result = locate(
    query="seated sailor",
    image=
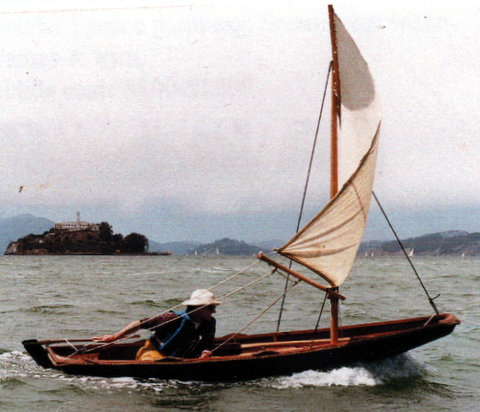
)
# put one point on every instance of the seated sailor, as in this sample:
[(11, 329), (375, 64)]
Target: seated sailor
[(187, 334)]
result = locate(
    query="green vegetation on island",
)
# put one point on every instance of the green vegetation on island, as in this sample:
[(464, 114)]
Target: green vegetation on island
[(91, 242)]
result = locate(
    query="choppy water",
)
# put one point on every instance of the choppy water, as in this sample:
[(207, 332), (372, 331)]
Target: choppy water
[(76, 296)]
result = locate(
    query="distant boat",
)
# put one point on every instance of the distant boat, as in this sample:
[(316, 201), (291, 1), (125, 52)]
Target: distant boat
[(411, 252), (327, 246)]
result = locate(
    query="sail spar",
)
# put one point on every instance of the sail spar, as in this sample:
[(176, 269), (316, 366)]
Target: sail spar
[(328, 244)]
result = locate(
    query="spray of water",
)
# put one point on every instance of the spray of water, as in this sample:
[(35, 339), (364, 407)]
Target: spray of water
[(16, 365)]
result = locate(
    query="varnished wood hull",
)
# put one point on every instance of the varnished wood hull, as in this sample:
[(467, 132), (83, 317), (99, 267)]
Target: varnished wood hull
[(253, 356)]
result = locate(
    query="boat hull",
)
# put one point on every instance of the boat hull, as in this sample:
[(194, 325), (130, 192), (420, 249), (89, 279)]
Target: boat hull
[(254, 356)]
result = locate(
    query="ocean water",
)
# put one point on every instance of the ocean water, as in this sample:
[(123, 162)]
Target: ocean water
[(83, 296)]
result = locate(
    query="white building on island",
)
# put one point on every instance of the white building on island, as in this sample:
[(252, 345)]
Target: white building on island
[(76, 226)]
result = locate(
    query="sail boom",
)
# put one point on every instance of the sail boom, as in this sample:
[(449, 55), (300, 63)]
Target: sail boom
[(295, 259), (299, 276)]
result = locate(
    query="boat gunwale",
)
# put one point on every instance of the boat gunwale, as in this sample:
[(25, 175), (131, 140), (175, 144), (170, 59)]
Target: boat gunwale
[(289, 349)]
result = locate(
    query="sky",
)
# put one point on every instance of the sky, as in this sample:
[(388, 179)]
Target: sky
[(194, 120)]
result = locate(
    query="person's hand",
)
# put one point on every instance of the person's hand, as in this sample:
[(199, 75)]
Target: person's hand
[(104, 338), (205, 354)]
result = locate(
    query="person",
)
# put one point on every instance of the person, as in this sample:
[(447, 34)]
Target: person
[(187, 334)]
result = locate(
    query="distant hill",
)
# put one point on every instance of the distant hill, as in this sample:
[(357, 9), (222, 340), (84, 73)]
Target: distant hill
[(269, 245), (189, 246), (176, 248), (453, 242), (12, 228), (225, 246)]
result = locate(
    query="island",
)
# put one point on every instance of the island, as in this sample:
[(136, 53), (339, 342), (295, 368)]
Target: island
[(92, 240)]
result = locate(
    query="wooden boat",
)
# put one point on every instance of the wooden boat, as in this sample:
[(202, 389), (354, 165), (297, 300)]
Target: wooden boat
[(249, 356), (327, 246)]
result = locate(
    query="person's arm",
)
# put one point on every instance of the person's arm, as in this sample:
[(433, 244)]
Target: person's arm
[(130, 328), (208, 339)]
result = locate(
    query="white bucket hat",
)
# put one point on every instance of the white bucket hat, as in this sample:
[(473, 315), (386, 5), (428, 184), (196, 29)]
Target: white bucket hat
[(201, 297)]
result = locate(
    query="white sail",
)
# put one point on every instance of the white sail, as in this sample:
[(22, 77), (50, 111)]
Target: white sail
[(328, 244)]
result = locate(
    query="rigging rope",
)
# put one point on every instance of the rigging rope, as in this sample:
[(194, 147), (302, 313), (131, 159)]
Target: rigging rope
[(247, 285), (321, 311), (234, 276), (86, 349), (241, 272), (256, 317), (306, 186), (431, 300)]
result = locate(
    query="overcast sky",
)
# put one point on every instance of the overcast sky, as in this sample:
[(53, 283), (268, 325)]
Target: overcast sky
[(194, 120)]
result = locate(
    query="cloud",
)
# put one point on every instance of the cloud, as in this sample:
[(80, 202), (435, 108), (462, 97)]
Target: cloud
[(212, 109), (134, 107)]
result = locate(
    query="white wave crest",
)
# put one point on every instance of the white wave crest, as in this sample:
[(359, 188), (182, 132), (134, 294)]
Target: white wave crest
[(13, 365), (13, 354), (372, 374), (339, 377)]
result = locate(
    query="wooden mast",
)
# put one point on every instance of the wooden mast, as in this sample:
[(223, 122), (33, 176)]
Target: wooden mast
[(335, 110), (332, 293)]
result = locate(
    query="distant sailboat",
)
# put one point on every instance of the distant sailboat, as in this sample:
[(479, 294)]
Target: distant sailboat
[(411, 252), (327, 246)]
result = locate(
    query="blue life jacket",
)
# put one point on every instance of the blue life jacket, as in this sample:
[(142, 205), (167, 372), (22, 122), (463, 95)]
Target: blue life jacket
[(180, 338)]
